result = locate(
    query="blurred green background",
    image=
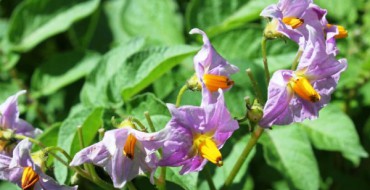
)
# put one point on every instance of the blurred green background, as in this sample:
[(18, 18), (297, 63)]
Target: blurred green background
[(84, 61)]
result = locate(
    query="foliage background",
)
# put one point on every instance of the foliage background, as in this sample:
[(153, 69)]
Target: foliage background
[(84, 61)]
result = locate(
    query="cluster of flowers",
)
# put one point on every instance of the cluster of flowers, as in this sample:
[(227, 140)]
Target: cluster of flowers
[(192, 137), (17, 164), (296, 95), (194, 134)]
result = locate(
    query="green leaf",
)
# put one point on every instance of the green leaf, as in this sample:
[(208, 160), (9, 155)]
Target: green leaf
[(345, 11), (164, 85), (8, 186), (334, 131), (155, 107), (188, 181), (34, 21), (95, 89), (144, 67), (223, 172), (62, 70), (204, 14), (49, 137), (8, 60), (8, 89), (90, 121), (158, 21), (3, 26), (287, 149), (217, 16)]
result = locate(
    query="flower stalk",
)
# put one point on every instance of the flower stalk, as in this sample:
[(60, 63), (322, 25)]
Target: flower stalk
[(179, 96), (150, 122), (296, 60), (208, 176), (251, 143), (256, 89), (264, 55)]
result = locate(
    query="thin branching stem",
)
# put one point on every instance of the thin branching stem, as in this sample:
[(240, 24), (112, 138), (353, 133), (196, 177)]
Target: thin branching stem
[(251, 143)]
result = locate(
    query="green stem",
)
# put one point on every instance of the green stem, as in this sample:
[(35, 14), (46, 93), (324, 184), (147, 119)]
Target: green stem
[(73, 38), (91, 29), (138, 122), (251, 143), (150, 122), (161, 182), (179, 96), (80, 137), (101, 133), (296, 60), (57, 148), (257, 90), (264, 55), (208, 176), (130, 186)]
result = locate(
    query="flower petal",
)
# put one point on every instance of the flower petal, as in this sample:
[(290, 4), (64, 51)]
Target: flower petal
[(276, 110), (9, 111), (96, 154)]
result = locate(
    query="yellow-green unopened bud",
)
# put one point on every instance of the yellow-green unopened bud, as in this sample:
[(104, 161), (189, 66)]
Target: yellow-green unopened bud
[(127, 123), (271, 32), (39, 158), (194, 84), (255, 112)]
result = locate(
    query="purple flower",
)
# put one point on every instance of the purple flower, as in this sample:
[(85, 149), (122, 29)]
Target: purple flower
[(21, 170), (9, 119), (297, 95), (123, 153), (291, 16), (211, 69), (195, 135)]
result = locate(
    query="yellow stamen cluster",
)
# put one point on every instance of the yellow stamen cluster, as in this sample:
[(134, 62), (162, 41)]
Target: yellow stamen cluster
[(214, 82), (29, 178), (302, 87), (293, 22), (207, 148), (129, 147), (342, 32)]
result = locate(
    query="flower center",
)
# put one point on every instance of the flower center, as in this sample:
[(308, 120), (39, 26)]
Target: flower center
[(302, 87), (207, 149), (214, 82), (293, 22), (342, 32), (129, 148), (29, 178)]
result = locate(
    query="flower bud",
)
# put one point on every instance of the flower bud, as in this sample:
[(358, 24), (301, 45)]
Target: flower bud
[(194, 84), (271, 32), (127, 123), (255, 112), (39, 158)]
